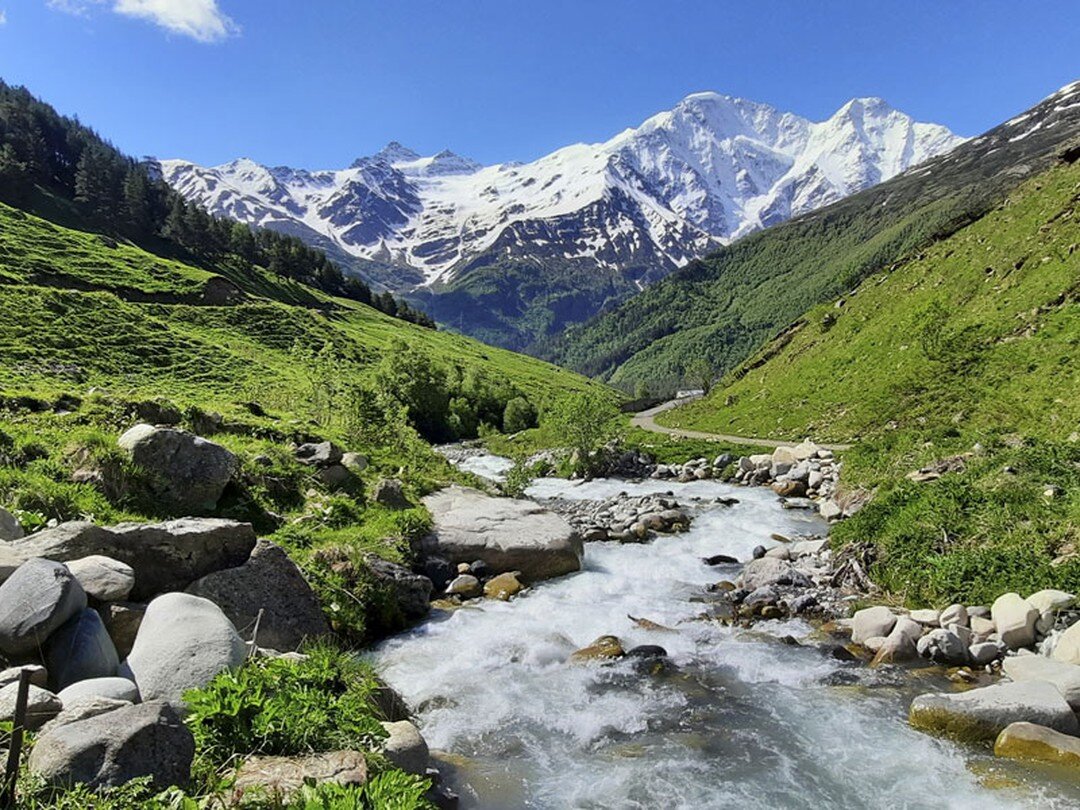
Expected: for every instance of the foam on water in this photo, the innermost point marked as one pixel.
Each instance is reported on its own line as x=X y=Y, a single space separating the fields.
x=745 y=720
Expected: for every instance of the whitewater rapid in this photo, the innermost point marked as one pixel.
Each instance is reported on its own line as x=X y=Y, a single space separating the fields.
x=744 y=720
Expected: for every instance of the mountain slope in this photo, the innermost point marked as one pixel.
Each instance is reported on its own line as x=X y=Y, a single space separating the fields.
x=585 y=225
x=723 y=307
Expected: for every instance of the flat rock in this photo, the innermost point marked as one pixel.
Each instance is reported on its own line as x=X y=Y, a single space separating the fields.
x=79 y=650
x=107 y=750
x=927 y=618
x=186 y=472
x=982 y=714
x=38 y=597
x=41 y=705
x=279 y=778
x=103 y=578
x=1015 y=620
x=1065 y=677
x=110 y=688
x=405 y=747
x=504 y=533
x=870 y=622
x=183 y=642
x=269 y=581
x=39 y=676
x=1028 y=741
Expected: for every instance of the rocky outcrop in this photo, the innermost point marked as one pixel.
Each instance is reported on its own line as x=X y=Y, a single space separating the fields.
x=164 y=556
x=186 y=472
x=269 y=581
x=35 y=600
x=183 y=642
x=982 y=714
x=506 y=534
x=110 y=749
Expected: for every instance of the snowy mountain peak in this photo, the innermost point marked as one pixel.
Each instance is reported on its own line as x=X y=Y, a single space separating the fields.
x=394 y=152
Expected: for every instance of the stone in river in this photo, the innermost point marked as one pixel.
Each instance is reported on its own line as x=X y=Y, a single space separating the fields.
x=1028 y=741
x=981 y=714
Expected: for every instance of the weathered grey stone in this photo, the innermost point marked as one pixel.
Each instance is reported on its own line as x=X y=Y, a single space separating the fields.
x=10 y=529
x=984 y=652
x=411 y=591
x=981 y=628
x=1067 y=648
x=900 y=644
x=390 y=492
x=465 y=585
x=271 y=582
x=927 y=618
x=41 y=705
x=34 y=601
x=335 y=475
x=183 y=642
x=39 y=676
x=943 y=647
x=122 y=620
x=355 y=462
x=1015 y=620
x=870 y=622
x=1048 y=602
x=504 y=533
x=981 y=714
x=765 y=571
x=83 y=708
x=954 y=614
x=279 y=778
x=79 y=650
x=405 y=747
x=321 y=454
x=1028 y=741
x=187 y=472
x=144 y=740
x=103 y=578
x=112 y=688
x=1065 y=677
x=165 y=556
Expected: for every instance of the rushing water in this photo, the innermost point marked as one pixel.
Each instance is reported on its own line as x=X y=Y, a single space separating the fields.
x=743 y=720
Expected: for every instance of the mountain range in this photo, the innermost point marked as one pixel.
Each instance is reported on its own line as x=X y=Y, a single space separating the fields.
x=516 y=251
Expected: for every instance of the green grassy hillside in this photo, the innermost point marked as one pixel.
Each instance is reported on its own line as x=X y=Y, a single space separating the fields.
x=968 y=349
x=726 y=306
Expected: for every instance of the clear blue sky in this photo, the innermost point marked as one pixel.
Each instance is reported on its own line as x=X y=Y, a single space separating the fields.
x=320 y=82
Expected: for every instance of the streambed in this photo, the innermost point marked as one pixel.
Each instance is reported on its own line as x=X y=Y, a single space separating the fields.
x=743 y=720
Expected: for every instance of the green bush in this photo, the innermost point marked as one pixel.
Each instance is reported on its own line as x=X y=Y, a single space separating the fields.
x=519 y=415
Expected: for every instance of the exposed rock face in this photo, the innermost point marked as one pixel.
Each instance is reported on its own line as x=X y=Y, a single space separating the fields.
x=506 y=534
x=982 y=714
x=79 y=650
x=103 y=578
x=412 y=591
x=164 y=556
x=405 y=747
x=271 y=582
x=187 y=472
x=108 y=688
x=183 y=642
x=1028 y=741
x=110 y=749
x=279 y=778
x=34 y=602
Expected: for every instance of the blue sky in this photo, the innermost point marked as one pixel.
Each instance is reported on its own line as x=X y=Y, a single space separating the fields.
x=317 y=84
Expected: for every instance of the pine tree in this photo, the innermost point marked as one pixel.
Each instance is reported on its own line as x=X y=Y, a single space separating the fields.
x=138 y=208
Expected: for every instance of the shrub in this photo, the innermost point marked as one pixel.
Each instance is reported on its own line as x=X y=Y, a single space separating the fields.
x=519 y=415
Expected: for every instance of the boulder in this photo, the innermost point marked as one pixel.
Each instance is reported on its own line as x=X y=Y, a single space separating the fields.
x=9 y=526
x=981 y=714
x=985 y=652
x=279 y=778
x=35 y=601
x=899 y=645
x=84 y=708
x=107 y=750
x=954 y=614
x=927 y=618
x=1065 y=677
x=411 y=591
x=183 y=642
x=1015 y=620
x=981 y=628
x=1048 y=602
x=319 y=454
x=187 y=473
x=464 y=585
x=503 y=586
x=41 y=705
x=870 y=622
x=390 y=492
x=1029 y=741
x=39 y=676
x=335 y=475
x=504 y=533
x=830 y=510
x=122 y=620
x=943 y=647
x=109 y=688
x=269 y=581
x=405 y=747
x=768 y=570
x=80 y=649
x=354 y=462
x=1067 y=648
x=164 y=556
x=103 y=578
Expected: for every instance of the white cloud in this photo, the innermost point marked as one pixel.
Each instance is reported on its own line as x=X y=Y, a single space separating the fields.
x=79 y=8
x=3 y=17
x=201 y=20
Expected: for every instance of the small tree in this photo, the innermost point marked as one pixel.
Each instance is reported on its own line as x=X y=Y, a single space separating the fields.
x=585 y=423
x=701 y=373
x=519 y=415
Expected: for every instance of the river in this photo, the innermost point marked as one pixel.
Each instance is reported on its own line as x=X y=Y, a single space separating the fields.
x=742 y=720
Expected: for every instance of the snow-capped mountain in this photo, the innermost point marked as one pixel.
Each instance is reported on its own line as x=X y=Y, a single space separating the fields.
x=686 y=181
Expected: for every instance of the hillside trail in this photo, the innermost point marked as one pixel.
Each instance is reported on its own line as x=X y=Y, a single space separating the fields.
x=646 y=420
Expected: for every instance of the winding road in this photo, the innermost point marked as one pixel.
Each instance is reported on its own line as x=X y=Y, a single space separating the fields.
x=646 y=421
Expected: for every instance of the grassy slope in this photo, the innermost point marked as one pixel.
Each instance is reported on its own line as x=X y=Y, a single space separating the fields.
x=974 y=342
x=727 y=305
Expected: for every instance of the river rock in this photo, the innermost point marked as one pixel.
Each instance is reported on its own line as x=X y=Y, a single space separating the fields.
x=900 y=644
x=41 y=705
x=405 y=747
x=981 y=628
x=411 y=591
x=103 y=578
x=981 y=714
x=1048 y=602
x=507 y=534
x=144 y=740
x=390 y=492
x=927 y=618
x=768 y=571
x=1067 y=648
x=870 y=622
x=122 y=620
x=1015 y=620
x=39 y=676
x=464 y=585
x=943 y=647
x=984 y=652
x=110 y=688
x=35 y=601
x=280 y=778
x=80 y=649
x=830 y=510
x=603 y=648
x=187 y=473
x=504 y=586
x=1065 y=677
x=183 y=642
x=165 y=556
x=954 y=614
x=318 y=454
x=9 y=526
x=1028 y=741
x=269 y=581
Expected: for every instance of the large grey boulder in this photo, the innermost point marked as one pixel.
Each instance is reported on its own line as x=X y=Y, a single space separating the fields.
x=164 y=556
x=1067 y=648
x=943 y=647
x=187 y=472
x=981 y=714
x=405 y=747
x=38 y=597
x=1015 y=619
x=183 y=642
x=10 y=529
x=871 y=622
x=109 y=688
x=1065 y=677
x=271 y=582
x=103 y=578
x=79 y=650
x=106 y=750
x=504 y=533
x=412 y=592
x=41 y=705
x=766 y=571
x=318 y=454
